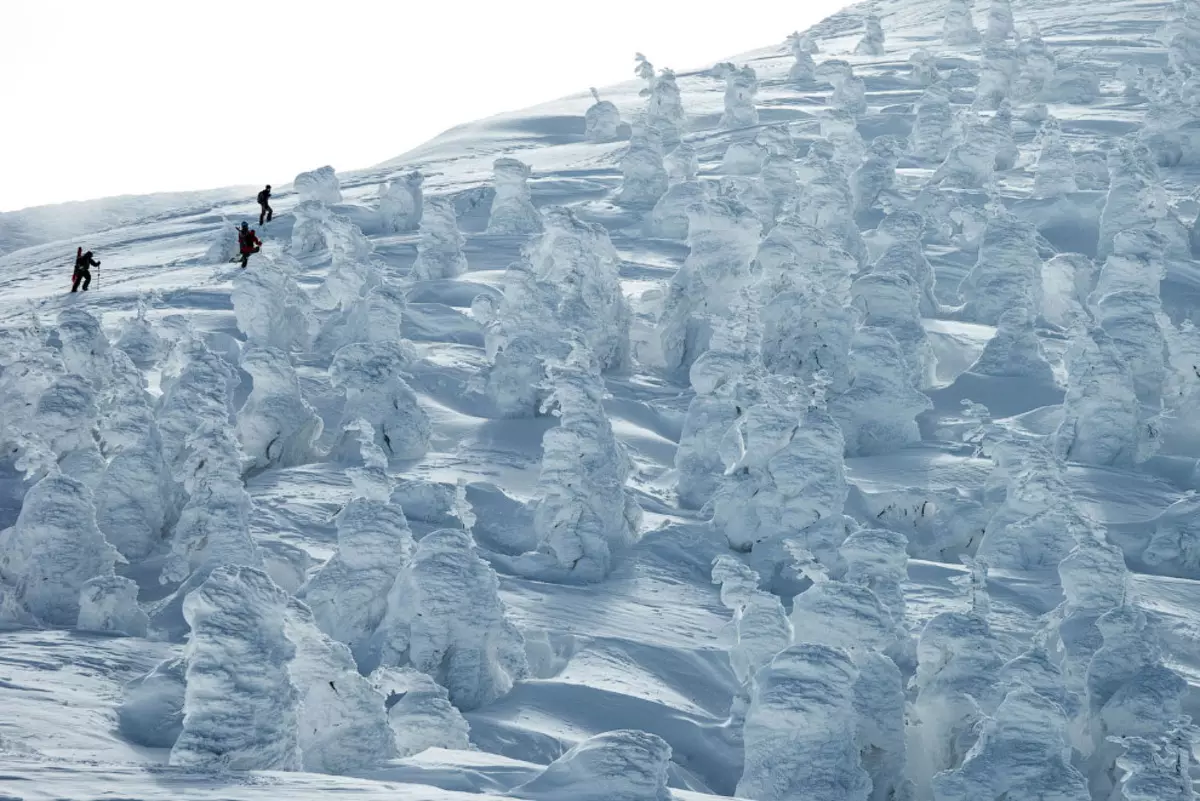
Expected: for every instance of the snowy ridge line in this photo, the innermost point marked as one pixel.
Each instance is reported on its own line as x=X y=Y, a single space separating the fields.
x=815 y=426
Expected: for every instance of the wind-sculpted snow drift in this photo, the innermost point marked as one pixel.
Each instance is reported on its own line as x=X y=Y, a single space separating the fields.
x=816 y=424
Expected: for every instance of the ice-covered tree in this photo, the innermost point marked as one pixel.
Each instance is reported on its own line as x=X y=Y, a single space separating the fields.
x=276 y=427
x=583 y=518
x=959 y=27
x=1022 y=752
x=1132 y=177
x=999 y=22
x=445 y=618
x=873 y=39
x=849 y=91
x=1157 y=769
x=241 y=710
x=971 y=161
x=223 y=246
x=669 y=217
x=372 y=376
x=875 y=178
x=907 y=256
x=1136 y=264
x=271 y=308
x=1015 y=351
x=1130 y=319
x=342 y=724
x=513 y=212
x=109 y=604
x=439 y=252
x=144 y=346
x=932 y=133
x=898 y=226
x=375 y=316
x=1174 y=547
x=891 y=299
x=565 y=287
x=1055 y=171
x=806 y=329
x=877 y=558
x=1101 y=414
x=796 y=254
x=664 y=106
x=801 y=733
x=1067 y=280
x=760 y=627
x=602 y=121
x=151 y=711
x=53 y=550
x=1006 y=272
x=401 y=203
x=827 y=201
x=803 y=70
x=420 y=712
x=722 y=237
x=1036 y=64
x=644 y=177
x=741 y=88
x=320 y=185
x=923 y=68
x=998 y=70
x=620 y=765
x=877 y=414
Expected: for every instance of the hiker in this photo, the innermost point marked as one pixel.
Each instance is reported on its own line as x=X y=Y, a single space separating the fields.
x=83 y=263
x=264 y=201
x=248 y=243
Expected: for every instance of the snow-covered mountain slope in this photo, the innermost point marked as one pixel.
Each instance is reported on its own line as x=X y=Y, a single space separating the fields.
x=819 y=430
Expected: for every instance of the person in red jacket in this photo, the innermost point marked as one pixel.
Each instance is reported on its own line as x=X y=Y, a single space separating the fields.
x=248 y=242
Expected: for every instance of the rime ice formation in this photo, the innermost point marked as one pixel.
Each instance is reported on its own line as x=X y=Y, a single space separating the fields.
x=876 y=176
x=342 y=724
x=513 y=213
x=872 y=42
x=932 y=133
x=151 y=712
x=722 y=237
x=139 y=340
x=109 y=604
x=53 y=550
x=669 y=217
x=1006 y=272
x=320 y=185
x=644 y=177
x=760 y=627
x=800 y=733
x=246 y=720
x=806 y=329
x=1101 y=412
x=602 y=121
x=583 y=517
x=664 y=107
x=439 y=252
x=565 y=287
x=1015 y=351
x=621 y=765
x=891 y=299
x=271 y=308
x=401 y=203
x=924 y=69
x=849 y=91
x=1036 y=66
x=907 y=256
x=999 y=22
x=1055 y=171
x=803 y=70
x=877 y=414
x=997 y=73
x=373 y=317
x=445 y=618
x=276 y=427
x=826 y=201
x=1067 y=280
x=959 y=28
x=741 y=87
x=371 y=374
x=1132 y=177
x=419 y=712
x=969 y=164
x=1130 y=318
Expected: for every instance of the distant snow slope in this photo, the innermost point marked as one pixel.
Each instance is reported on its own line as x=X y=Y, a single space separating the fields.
x=573 y=614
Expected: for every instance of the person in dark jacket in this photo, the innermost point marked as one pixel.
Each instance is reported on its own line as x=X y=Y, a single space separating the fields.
x=83 y=264
x=264 y=202
x=248 y=243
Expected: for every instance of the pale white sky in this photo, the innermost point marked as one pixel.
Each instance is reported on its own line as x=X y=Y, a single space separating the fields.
x=107 y=97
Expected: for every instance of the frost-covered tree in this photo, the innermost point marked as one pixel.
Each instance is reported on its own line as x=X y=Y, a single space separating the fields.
x=1036 y=64
x=53 y=550
x=806 y=329
x=1067 y=280
x=827 y=202
x=420 y=712
x=803 y=70
x=971 y=162
x=898 y=226
x=760 y=628
x=401 y=203
x=320 y=185
x=566 y=287
x=875 y=178
x=241 y=709
x=602 y=121
x=109 y=604
x=271 y=308
x=877 y=414
x=583 y=517
x=907 y=256
x=999 y=22
x=644 y=177
x=276 y=427
x=621 y=765
x=741 y=88
x=1015 y=351
x=877 y=558
x=513 y=212
x=1022 y=752
x=891 y=299
x=1174 y=547
x=873 y=39
x=664 y=107
x=139 y=340
x=923 y=69
x=849 y=91
x=722 y=237
x=932 y=133
x=959 y=27
x=783 y=469
x=801 y=732
x=1006 y=272
x=1130 y=319
x=1101 y=414
x=151 y=712
x=375 y=316
x=669 y=217
x=223 y=246
x=796 y=254
x=1136 y=264
x=372 y=376
x=439 y=252
x=998 y=71
x=445 y=619
x=1132 y=177
x=342 y=724
x=1055 y=171
x=1157 y=769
